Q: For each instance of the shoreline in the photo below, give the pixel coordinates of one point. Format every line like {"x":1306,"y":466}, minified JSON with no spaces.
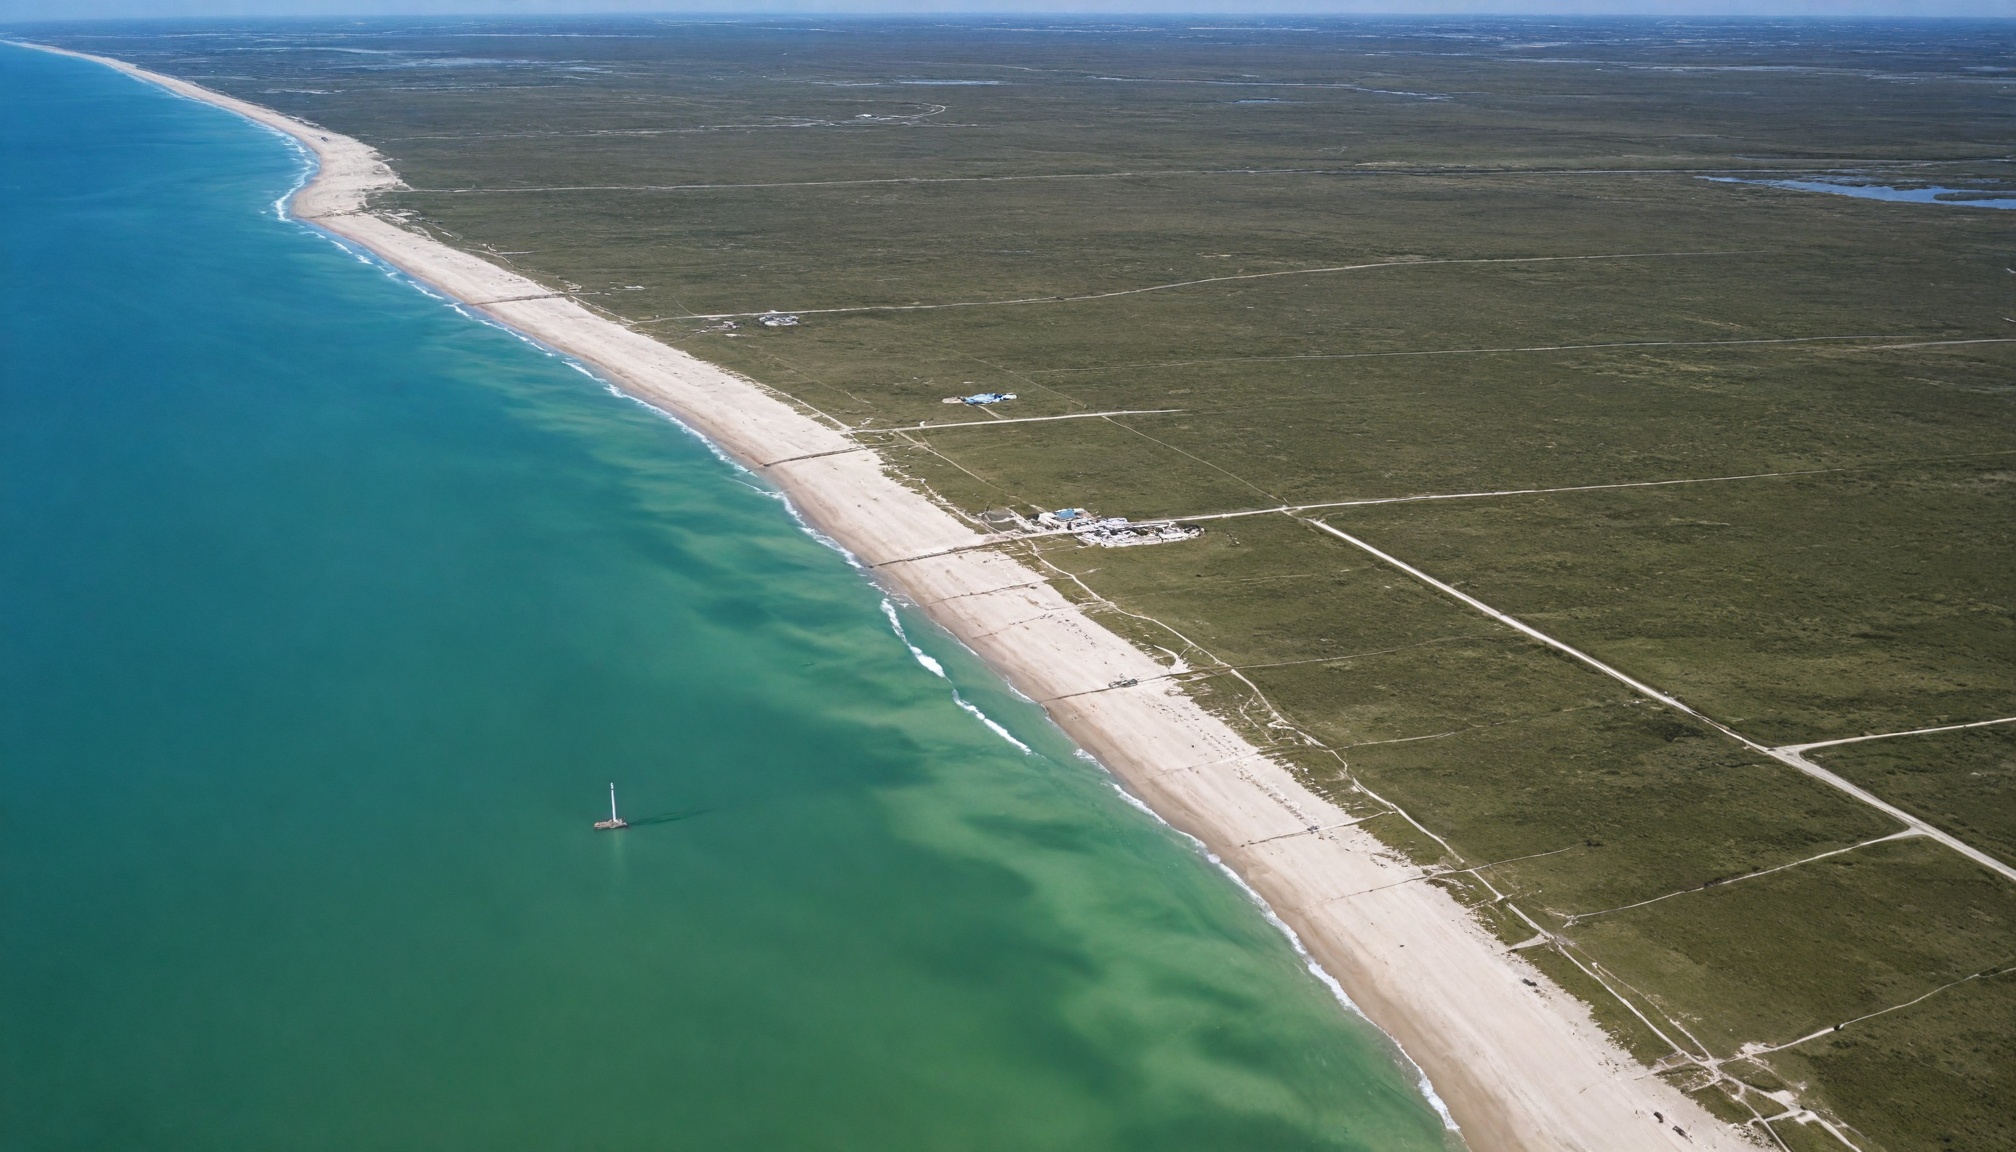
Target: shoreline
{"x":1518,"y":1063}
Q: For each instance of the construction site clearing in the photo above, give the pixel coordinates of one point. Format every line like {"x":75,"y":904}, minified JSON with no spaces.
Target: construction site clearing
{"x":1106,"y":531}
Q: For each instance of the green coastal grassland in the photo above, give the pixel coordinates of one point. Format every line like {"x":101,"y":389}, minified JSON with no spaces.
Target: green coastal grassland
{"x":1363,"y":262}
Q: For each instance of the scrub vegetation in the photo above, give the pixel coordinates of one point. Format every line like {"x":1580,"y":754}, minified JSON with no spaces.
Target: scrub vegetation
{"x":1346,"y":265}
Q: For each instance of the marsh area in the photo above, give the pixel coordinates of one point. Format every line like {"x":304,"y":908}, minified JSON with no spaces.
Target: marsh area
{"x":1930,"y":194}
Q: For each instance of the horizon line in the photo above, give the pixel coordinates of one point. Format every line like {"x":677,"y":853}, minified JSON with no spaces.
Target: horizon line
{"x":1090,"y":13}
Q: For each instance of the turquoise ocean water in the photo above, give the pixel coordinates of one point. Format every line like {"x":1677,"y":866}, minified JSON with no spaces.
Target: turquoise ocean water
{"x":326,"y":614}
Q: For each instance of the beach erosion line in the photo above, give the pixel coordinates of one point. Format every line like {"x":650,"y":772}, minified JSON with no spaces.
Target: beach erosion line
{"x":1517,"y":1063}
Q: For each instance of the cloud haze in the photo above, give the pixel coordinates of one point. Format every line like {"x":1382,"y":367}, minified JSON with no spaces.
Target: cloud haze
{"x":21,"y":10}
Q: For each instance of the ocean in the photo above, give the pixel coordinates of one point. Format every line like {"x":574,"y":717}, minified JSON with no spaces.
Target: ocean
{"x":328,"y":612}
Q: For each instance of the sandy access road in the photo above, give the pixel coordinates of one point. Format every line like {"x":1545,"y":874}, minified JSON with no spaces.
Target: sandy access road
{"x":1520,"y":1066}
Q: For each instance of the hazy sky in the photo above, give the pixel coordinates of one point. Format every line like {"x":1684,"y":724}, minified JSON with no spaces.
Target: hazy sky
{"x":18,"y":10}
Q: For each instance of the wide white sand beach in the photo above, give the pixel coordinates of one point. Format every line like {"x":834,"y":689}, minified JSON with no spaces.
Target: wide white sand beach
{"x":1520,"y":1064}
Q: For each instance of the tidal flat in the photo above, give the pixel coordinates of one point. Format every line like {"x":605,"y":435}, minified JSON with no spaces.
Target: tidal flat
{"x":1370,"y":261}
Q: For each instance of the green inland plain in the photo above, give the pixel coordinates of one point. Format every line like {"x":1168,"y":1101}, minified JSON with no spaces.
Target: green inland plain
{"x":1415,"y":320}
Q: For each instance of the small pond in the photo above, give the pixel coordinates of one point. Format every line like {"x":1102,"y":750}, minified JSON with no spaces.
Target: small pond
{"x":1955,"y":197}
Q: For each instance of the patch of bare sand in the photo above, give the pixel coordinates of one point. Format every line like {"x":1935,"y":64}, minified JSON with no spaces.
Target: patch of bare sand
{"x":1519,"y":1067}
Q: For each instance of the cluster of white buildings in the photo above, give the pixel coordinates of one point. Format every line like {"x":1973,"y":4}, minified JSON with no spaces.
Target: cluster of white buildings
{"x":1112,"y":531}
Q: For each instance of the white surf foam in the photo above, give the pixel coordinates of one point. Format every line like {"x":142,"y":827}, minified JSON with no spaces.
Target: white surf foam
{"x":1316,"y":969}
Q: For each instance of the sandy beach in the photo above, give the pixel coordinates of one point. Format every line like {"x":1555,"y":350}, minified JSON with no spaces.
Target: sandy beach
{"x":1519,"y":1064}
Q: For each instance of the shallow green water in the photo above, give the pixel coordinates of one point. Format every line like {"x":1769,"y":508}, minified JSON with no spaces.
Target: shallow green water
{"x":328,"y":613}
